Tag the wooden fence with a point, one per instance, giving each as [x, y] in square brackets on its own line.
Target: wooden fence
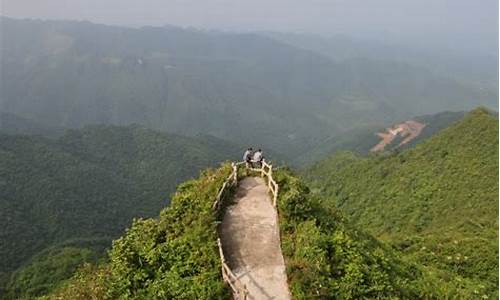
[240, 291]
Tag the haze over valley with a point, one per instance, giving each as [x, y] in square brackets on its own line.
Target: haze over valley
[119, 122]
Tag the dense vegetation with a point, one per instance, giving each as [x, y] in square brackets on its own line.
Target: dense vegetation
[433, 209]
[244, 87]
[437, 203]
[86, 187]
[48, 269]
[174, 256]
[65, 195]
[361, 140]
[12, 124]
[433, 124]
[329, 258]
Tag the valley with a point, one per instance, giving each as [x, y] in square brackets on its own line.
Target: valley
[248, 88]
[115, 141]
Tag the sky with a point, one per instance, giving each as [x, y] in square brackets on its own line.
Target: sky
[469, 24]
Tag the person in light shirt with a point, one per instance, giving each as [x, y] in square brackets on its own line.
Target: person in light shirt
[247, 157]
[257, 158]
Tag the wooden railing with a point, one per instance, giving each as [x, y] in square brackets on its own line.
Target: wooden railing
[240, 291]
[232, 180]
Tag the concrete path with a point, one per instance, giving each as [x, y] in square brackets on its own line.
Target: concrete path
[250, 240]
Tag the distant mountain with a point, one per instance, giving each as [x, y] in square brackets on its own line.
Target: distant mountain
[363, 140]
[478, 70]
[83, 189]
[246, 88]
[437, 202]
[407, 134]
[433, 124]
[12, 124]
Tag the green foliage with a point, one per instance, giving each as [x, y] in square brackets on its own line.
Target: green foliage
[90, 282]
[361, 140]
[174, 256]
[437, 203]
[329, 259]
[89, 184]
[12, 124]
[399, 197]
[47, 270]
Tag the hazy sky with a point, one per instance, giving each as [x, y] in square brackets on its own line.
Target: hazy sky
[469, 23]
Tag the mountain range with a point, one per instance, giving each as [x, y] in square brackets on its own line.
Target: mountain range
[421, 223]
[248, 88]
[84, 188]
[437, 203]
[100, 125]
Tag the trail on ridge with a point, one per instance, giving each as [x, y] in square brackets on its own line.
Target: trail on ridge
[250, 240]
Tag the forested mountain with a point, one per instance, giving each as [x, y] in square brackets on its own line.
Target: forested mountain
[362, 140]
[244, 87]
[175, 256]
[437, 202]
[417, 223]
[12, 124]
[70, 196]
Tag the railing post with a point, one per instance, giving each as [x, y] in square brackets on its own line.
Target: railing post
[235, 173]
[270, 174]
[275, 198]
[221, 254]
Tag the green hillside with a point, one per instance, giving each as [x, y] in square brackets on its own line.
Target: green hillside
[84, 188]
[437, 203]
[12, 124]
[173, 256]
[329, 257]
[52, 266]
[361, 140]
[376, 236]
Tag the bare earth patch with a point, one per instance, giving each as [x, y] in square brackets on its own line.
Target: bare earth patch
[408, 130]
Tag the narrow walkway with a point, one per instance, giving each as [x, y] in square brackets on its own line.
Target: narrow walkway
[250, 240]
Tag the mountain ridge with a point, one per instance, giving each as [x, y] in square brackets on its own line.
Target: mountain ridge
[244, 87]
[362, 140]
[88, 185]
[436, 202]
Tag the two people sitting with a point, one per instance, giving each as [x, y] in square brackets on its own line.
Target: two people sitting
[252, 158]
